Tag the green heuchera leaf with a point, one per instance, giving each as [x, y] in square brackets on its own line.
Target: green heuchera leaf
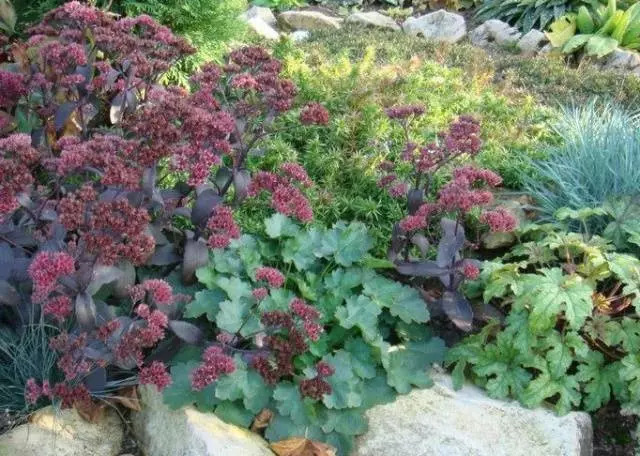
[407, 366]
[377, 391]
[234, 413]
[630, 371]
[361, 312]
[599, 379]
[551, 293]
[501, 363]
[205, 302]
[347, 243]
[244, 385]
[402, 301]
[234, 287]
[180, 392]
[345, 384]
[362, 360]
[289, 403]
[233, 314]
[301, 250]
[278, 226]
[544, 386]
[346, 421]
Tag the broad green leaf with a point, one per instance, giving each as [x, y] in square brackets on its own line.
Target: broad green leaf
[301, 249]
[289, 402]
[402, 301]
[233, 314]
[627, 269]
[205, 302]
[573, 44]
[347, 243]
[407, 366]
[600, 45]
[234, 413]
[561, 31]
[231, 387]
[278, 226]
[598, 378]
[550, 294]
[377, 391]
[361, 312]
[630, 372]
[345, 421]
[544, 387]
[234, 287]
[283, 427]
[180, 392]
[345, 384]
[362, 360]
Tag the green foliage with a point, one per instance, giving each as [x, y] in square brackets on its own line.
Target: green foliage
[363, 312]
[208, 24]
[24, 355]
[598, 160]
[279, 4]
[528, 14]
[571, 336]
[598, 32]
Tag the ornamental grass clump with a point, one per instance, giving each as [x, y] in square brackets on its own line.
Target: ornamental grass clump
[89, 140]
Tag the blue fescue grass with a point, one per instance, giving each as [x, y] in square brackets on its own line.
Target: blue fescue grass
[597, 160]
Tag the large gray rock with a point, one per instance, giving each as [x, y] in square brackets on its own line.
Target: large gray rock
[494, 32]
[622, 60]
[373, 19]
[53, 432]
[261, 28]
[532, 42]
[300, 36]
[439, 26]
[439, 421]
[261, 12]
[308, 20]
[188, 432]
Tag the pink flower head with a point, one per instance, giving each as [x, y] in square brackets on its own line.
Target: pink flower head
[314, 114]
[155, 374]
[223, 227]
[402, 112]
[413, 223]
[159, 290]
[260, 293]
[313, 330]
[499, 220]
[59, 307]
[272, 276]
[303, 310]
[45, 270]
[324, 369]
[314, 388]
[291, 202]
[470, 270]
[399, 190]
[214, 364]
[32, 391]
[296, 173]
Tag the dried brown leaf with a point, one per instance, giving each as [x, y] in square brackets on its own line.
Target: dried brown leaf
[128, 397]
[300, 446]
[262, 420]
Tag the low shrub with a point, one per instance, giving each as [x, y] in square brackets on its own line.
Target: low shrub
[597, 161]
[570, 334]
[313, 334]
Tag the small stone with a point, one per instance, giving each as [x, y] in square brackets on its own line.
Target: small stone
[260, 11]
[622, 60]
[442, 421]
[532, 42]
[299, 36]
[261, 28]
[494, 31]
[189, 432]
[373, 19]
[440, 26]
[52, 432]
[498, 240]
[308, 20]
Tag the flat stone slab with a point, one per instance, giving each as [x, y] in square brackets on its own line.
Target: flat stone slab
[53, 432]
[440, 421]
[440, 26]
[308, 20]
[188, 432]
[373, 19]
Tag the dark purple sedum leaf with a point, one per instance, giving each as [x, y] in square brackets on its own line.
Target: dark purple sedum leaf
[196, 255]
[425, 268]
[451, 242]
[189, 333]
[458, 309]
[206, 201]
[85, 311]
[415, 198]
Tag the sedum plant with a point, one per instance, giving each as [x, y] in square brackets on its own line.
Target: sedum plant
[597, 32]
[570, 336]
[90, 144]
[412, 178]
[312, 336]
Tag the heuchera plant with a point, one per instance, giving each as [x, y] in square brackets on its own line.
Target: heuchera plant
[88, 140]
[469, 188]
[306, 352]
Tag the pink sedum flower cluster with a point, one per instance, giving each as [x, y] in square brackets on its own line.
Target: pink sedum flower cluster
[214, 364]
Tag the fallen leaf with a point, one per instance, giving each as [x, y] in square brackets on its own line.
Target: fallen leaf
[300, 446]
[261, 420]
